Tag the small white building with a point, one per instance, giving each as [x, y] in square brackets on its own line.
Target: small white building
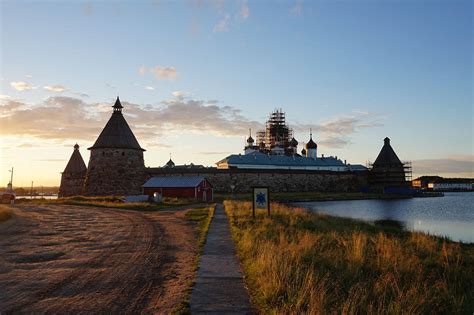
[449, 184]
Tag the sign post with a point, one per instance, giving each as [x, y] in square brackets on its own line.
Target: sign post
[261, 199]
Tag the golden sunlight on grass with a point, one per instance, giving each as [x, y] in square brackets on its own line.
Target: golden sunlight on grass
[5, 213]
[298, 262]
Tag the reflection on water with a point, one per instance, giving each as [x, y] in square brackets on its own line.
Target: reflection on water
[451, 215]
[38, 197]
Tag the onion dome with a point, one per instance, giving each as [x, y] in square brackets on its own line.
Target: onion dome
[170, 163]
[250, 139]
[303, 152]
[293, 142]
[311, 144]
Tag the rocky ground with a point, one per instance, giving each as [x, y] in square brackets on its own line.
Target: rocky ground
[59, 258]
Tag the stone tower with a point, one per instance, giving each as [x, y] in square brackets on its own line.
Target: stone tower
[116, 165]
[72, 179]
[387, 171]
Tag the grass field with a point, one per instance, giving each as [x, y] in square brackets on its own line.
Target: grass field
[298, 262]
[5, 213]
[113, 202]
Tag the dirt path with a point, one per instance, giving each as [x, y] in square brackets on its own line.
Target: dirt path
[84, 259]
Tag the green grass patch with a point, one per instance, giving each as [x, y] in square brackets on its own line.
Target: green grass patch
[299, 262]
[5, 213]
[308, 196]
[202, 217]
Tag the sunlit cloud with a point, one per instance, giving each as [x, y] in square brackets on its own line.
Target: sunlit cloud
[54, 88]
[150, 88]
[22, 86]
[164, 72]
[450, 166]
[142, 70]
[73, 119]
[336, 132]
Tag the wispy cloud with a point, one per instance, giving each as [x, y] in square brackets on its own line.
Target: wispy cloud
[54, 88]
[160, 72]
[73, 119]
[336, 132]
[297, 9]
[214, 152]
[22, 86]
[222, 25]
[449, 166]
[142, 70]
[244, 10]
[150, 88]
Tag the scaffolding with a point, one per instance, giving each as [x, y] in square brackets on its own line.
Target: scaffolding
[277, 132]
[408, 171]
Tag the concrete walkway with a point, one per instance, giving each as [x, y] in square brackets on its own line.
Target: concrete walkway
[219, 284]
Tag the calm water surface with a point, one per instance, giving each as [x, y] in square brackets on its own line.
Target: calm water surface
[451, 215]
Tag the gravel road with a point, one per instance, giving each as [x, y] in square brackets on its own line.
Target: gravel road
[60, 259]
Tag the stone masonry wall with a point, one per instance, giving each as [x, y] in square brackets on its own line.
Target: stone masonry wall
[277, 180]
[71, 184]
[116, 172]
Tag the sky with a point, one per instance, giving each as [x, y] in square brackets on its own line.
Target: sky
[194, 76]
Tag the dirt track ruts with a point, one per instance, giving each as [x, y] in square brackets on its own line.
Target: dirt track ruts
[60, 259]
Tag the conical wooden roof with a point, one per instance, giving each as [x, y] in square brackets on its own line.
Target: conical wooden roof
[387, 157]
[76, 163]
[117, 133]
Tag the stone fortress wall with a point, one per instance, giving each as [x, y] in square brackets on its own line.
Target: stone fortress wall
[277, 180]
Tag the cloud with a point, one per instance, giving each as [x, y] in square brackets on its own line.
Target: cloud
[214, 152]
[4, 97]
[142, 70]
[149, 88]
[29, 76]
[244, 10]
[50, 160]
[55, 88]
[297, 9]
[159, 145]
[72, 119]
[22, 86]
[164, 73]
[450, 166]
[222, 25]
[178, 94]
[335, 132]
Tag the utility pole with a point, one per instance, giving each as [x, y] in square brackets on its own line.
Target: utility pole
[31, 191]
[11, 178]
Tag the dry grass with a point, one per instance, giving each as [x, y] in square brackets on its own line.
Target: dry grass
[298, 262]
[5, 213]
[113, 202]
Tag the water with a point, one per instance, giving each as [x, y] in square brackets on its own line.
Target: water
[38, 197]
[451, 216]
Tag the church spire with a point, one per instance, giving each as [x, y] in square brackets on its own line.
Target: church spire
[117, 106]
